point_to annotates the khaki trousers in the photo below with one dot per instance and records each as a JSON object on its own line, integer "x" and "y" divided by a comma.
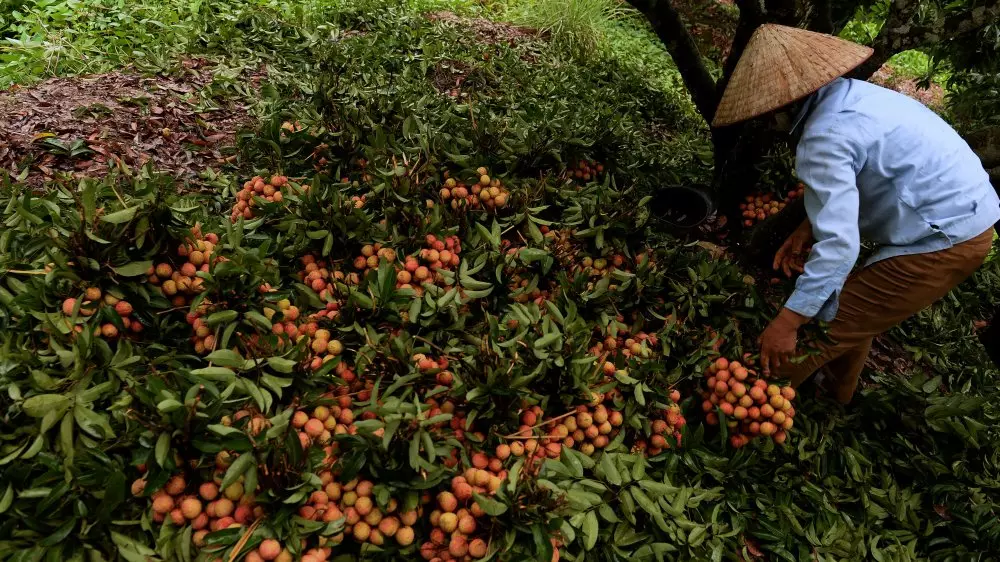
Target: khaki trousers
{"x": 879, "y": 297}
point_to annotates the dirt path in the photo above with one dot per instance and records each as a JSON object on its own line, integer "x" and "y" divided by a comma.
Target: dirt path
{"x": 82, "y": 125}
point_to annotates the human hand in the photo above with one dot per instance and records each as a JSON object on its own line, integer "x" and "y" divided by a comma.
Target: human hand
{"x": 791, "y": 256}
{"x": 780, "y": 339}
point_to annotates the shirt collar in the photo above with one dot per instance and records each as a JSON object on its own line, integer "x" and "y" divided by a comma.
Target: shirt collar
{"x": 804, "y": 112}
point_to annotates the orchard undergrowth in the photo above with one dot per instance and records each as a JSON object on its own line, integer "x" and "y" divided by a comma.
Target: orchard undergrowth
{"x": 434, "y": 323}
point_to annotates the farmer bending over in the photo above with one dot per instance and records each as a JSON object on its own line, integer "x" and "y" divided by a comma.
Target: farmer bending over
{"x": 876, "y": 164}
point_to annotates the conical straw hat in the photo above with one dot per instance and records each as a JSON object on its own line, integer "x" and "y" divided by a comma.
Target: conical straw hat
{"x": 783, "y": 64}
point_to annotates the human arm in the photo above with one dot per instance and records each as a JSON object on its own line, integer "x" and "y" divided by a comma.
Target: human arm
{"x": 828, "y": 163}
{"x": 794, "y": 246}
{"x": 779, "y": 340}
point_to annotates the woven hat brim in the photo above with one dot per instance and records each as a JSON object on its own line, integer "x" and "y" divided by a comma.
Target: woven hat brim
{"x": 781, "y": 65}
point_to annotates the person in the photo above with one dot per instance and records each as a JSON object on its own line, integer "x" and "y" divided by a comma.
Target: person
{"x": 878, "y": 166}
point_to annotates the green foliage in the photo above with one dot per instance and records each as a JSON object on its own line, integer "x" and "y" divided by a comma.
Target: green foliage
{"x": 909, "y": 472}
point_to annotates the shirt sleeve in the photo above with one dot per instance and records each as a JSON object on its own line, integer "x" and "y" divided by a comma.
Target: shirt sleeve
{"x": 828, "y": 163}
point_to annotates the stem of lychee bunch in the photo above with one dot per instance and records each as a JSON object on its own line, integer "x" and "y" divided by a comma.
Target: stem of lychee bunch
{"x": 428, "y": 342}
{"x": 243, "y": 540}
{"x": 26, "y": 271}
{"x": 538, "y": 437}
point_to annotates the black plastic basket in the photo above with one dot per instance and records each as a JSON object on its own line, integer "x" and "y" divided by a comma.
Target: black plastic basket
{"x": 681, "y": 207}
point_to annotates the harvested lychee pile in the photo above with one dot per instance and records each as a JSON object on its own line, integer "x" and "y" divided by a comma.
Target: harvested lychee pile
{"x": 483, "y": 193}
{"x": 756, "y": 208}
{"x": 751, "y": 406}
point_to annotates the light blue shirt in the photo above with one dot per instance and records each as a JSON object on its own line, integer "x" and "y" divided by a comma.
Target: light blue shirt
{"x": 879, "y": 165}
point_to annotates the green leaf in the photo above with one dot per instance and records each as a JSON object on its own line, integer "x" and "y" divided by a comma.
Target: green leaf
{"x": 133, "y": 269}
{"x": 589, "y": 530}
{"x": 610, "y": 471}
{"x": 258, "y": 319}
{"x": 219, "y": 374}
{"x": 226, "y": 358}
{"x": 222, "y": 317}
{"x": 281, "y": 364}
{"x": 119, "y": 217}
{"x": 38, "y": 406}
{"x": 92, "y": 422}
{"x": 162, "y": 449}
{"x": 489, "y": 505}
{"x": 169, "y": 405}
{"x": 59, "y": 534}
{"x": 643, "y": 500}
{"x": 239, "y": 466}
{"x": 7, "y": 499}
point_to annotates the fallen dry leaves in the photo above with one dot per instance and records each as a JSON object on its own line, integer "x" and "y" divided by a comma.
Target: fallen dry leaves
{"x": 83, "y": 125}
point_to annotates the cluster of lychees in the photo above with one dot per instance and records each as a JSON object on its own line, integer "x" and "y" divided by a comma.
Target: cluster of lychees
{"x": 439, "y": 255}
{"x": 590, "y": 428}
{"x": 207, "y": 509}
{"x": 485, "y": 192}
{"x": 372, "y": 255}
{"x": 758, "y": 207}
{"x": 319, "y": 276}
{"x": 456, "y": 520}
{"x": 202, "y": 336}
{"x": 437, "y": 367}
{"x": 639, "y": 345}
{"x": 585, "y": 170}
{"x": 599, "y": 267}
{"x": 179, "y": 284}
{"x": 365, "y": 520}
{"x": 665, "y": 428}
{"x": 752, "y": 406}
{"x": 269, "y": 190}
{"x": 523, "y": 291}
{"x": 319, "y": 426}
{"x": 523, "y": 285}
{"x": 91, "y": 301}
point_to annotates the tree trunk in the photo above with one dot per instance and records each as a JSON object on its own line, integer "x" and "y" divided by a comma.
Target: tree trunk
{"x": 668, "y": 25}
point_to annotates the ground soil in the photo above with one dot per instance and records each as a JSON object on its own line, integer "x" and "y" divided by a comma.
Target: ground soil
{"x": 83, "y": 125}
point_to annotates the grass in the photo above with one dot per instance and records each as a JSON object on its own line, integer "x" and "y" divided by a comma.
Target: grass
{"x": 578, "y": 26}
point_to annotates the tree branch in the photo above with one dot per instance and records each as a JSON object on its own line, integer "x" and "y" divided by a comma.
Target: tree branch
{"x": 821, "y": 19}
{"x": 899, "y": 33}
{"x": 668, "y": 25}
{"x": 751, "y": 17}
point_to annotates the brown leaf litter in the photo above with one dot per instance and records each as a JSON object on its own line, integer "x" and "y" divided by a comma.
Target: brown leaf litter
{"x": 486, "y": 31}
{"x": 84, "y": 124}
